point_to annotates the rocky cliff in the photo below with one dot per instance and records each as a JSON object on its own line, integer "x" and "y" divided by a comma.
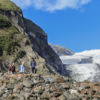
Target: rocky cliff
{"x": 21, "y": 39}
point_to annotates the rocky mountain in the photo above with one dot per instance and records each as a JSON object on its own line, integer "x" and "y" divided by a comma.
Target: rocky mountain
{"x": 21, "y": 39}
{"x": 61, "y": 51}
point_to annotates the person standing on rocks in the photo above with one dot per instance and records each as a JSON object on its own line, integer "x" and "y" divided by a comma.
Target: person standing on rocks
{"x": 12, "y": 68}
{"x": 33, "y": 64}
{"x": 22, "y": 68}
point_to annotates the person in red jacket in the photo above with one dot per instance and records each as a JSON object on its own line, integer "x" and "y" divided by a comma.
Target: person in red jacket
{"x": 12, "y": 68}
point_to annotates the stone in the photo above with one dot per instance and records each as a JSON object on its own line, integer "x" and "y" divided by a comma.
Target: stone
{"x": 3, "y": 86}
{"x": 48, "y": 79}
{"x": 18, "y": 86}
{"x": 59, "y": 79}
{"x": 96, "y": 88}
{"x": 28, "y": 83}
{"x": 11, "y": 87}
{"x": 38, "y": 90}
{"x": 27, "y": 90}
{"x": 72, "y": 91}
{"x": 22, "y": 98}
{"x": 66, "y": 93}
{"x": 45, "y": 96}
{"x": 33, "y": 98}
{"x": 62, "y": 97}
{"x": 65, "y": 85}
{"x": 27, "y": 95}
{"x": 85, "y": 85}
{"x": 35, "y": 81}
{"x": 53, "y": 98}
{"x": 5, "y": 95}
{"x": 12, "y": 80}
{"x": 95, "y": 99}
{"x": 74, "y": 98}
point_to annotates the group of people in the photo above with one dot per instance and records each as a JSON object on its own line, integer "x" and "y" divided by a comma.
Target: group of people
{"x": 12, "y": 68}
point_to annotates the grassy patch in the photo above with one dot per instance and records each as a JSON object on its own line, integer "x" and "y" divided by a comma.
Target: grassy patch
{"x": 7, "y": 41}
{"x": 7, "y": 5}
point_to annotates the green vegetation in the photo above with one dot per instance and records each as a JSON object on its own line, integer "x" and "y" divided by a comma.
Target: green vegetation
{"x": 4, "y": 22}
{"x": 21, "y": 54}
{"x": 7, "y": 5}
{"x": 2, "y": 17}
{"x": 10, "y": 38}
{"x": 7, "y": 43}
{"x": 7, "y": 32}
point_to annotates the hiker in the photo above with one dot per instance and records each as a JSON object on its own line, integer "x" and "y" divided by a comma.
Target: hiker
{"x": 12, "y": 68}
{"x": 33, "y": 64}
{"x": 22, "y": 68}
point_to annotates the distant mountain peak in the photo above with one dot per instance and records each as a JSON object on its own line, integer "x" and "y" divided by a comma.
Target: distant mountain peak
{"x": 61, "y": 51}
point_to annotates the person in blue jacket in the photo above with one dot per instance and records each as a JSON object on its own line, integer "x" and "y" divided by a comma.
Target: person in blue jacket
{"x": 33, "y": 64}
{"x": 22, "y": 68}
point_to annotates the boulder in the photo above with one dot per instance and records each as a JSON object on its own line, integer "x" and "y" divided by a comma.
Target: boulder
{"x": 28, "y": 83}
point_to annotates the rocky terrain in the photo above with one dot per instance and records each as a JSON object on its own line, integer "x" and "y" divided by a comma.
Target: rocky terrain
{"x": 62, "y": 51}
{"x": 49, "y": 87}
{"x": 21, "y": 39}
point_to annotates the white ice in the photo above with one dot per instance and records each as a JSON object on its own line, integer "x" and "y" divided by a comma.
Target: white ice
{"x": 83, "y": 71}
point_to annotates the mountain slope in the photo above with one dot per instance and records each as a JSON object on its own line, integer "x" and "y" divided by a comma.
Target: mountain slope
{"x": 21, "y": 39}
{"x": 61, "y": 50}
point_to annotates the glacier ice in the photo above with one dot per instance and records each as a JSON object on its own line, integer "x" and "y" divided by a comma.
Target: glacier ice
{"x": 84, "y": 65}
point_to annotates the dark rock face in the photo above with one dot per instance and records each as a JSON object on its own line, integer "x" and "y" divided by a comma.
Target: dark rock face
{"x": 61, "y": 51}
{"x": 40, "y": 45}
{"x": 31, "y": 41}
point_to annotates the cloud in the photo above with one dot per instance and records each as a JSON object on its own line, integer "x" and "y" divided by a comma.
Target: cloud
{"x": 51, "y": 5}
{"x": 23, "y": 3}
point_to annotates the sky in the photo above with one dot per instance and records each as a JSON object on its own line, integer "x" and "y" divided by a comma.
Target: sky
{"x": 74, "y": 24}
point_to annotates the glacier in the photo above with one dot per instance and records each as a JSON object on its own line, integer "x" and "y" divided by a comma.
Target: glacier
{"x": 83, "y": 66}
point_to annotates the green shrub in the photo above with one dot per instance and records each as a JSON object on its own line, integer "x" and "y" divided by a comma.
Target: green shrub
{"x": 10, "y": 48}
{"x": 21, "y": 54}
